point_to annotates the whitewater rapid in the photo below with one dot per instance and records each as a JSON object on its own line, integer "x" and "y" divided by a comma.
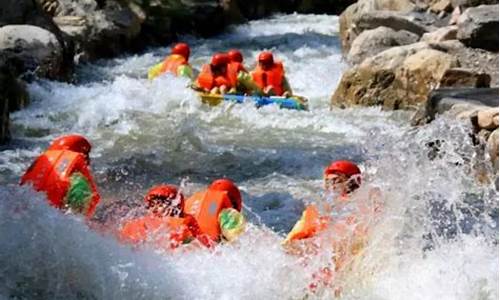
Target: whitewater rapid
{"x": 437, "y": 238}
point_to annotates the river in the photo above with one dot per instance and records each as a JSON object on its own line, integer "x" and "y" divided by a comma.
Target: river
{"x": 437, "y": 238}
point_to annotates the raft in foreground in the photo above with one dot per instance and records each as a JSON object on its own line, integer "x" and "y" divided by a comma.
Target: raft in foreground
{"x": 293, "y": 102}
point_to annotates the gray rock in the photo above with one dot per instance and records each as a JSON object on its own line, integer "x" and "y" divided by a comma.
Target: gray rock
{"x": 394, "y": 20}
{"x": 478, "y": 27}
{"x": 37, "y": 48}
{"x": 30, "y": 12}
{"x": 371, "y": 42}
{"x": 462, "y": 77}
{"x": 442, "y": 100}
{"x": 440, "y": 35}
{"x": 471, "y": 3}
{"x": 492, "y": 147}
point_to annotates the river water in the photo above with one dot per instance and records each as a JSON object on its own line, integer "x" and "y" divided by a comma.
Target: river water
{"x": 438, "y": 233}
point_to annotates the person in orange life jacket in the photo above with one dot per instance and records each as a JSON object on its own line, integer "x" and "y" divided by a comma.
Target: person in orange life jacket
{"x": 176, "y": 63}
{"x": 166, "y": 226}
{"x": 218, "y": 210}
{"x": 236, "y": 72}
{"x": 62, "y": 172}
{"x": 349, "y": 232}
{"x": 269, "y": 76}
{"x": 213, "y": 77}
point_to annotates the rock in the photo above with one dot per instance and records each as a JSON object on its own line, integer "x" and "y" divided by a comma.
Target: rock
{"x": 455, "y": 15}
{"x": 478, "y": 60}
{"x": 397, "y": 78}
{"x": 38, "y": 48}
{"x": 394, "y": 20}
{"x": 485, "y": 118}
{"x": 461, "y": 77}
{"x": 440, "y": 101}
{"x": 393, "y": 57}
{"x": 371, "y": 42}
{"x": 464, "y": 111}
{"x": 13, "y": 94}
{"x": 442, "y": 5}
{"x": 471, "y": 3}
{"x": 442, "y": 34}
{"x": 347, "y": 27}
{"x": 100, "y": 32}
{"x": 478, "y": 27}
{"x": 29, "y": 12}
{"x": 492, "y": 147}
{"x": 495, "y": 120}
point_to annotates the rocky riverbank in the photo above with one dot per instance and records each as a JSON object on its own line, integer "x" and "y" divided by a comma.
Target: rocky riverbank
{"x": 432, "y": 56}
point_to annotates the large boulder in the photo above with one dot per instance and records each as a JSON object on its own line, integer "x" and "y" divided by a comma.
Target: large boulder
{"x": 29, "y": 12}
{"x": 397, "y": 78}
{"x": 461, "y": 100}
{"x": 347, "y": 26}
{"x": 100, "y": 31}
{"x": 478, "y": 27}
{"x": 371, "y": 42}
{"x": 391, "y": 19}
{"x": 37, "y": 48}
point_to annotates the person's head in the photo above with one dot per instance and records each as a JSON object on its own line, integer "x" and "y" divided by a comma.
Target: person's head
{"x": 342, "y": 176}
{"x": 219, "y": 62}
{"x": 226, "y": 185}
{"x": 72, "y": 142}
{"x": 165, "y": 200}
{"x": 181, "y": 49}
{"x": 266, "y": 59}
{"x": 235, "y": 55}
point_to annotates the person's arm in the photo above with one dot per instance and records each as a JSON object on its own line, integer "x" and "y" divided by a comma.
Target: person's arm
{"x": 286, "y": 87}
{"x": 154, "y": 71}
{"x": 232, "y": 224}
{"x": 245, "y": 79}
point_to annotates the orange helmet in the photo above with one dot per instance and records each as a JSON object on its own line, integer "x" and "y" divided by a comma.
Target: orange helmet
{"x": 235, "y": 55}
{"x": 220, "y": 59}
{"x": 226, "y": 185}
{"x": 164, "y": 193}
{"x": 342, "y": 167}
{"x": 266, "y": 57}
{"x": 72, "y": 142}
{"x": 181, "y": 49}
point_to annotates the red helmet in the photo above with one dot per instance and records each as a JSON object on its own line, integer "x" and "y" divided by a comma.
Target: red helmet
{"x": 342, "y": 167}
{"x": 266, "y": 57}
{"x": 232, "y": 190}
{"x": 181, "y": 49}
{"x": 164, "y": 192}
{"x": 72, "y": 142}
{"x": 220, "y": 59}
{"x": 235, "y": 55}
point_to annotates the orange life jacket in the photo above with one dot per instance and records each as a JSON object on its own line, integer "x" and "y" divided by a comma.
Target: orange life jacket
{"x": 205, "y": 207}
{"x": 273, "y": 77}
{"x": 233, "y": 68}
{"x": 51, "y": 172}
{"x": 311, "y": 224}
{"x": 172, "y": 63}
{"x": 207, "y": 80}
{"x": 163, "y": 232}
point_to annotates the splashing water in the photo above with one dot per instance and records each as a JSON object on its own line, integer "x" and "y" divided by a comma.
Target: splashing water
{"x": 437, "y": 237}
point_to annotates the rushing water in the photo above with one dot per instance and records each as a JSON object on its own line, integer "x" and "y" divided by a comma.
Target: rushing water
{"x": 437, "y": 237}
